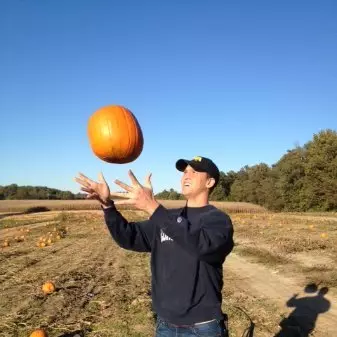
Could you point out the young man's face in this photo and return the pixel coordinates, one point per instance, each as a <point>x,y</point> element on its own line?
<point>194,182</point>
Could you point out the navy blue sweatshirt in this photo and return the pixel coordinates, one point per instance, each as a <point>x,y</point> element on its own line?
<point>188,247</point>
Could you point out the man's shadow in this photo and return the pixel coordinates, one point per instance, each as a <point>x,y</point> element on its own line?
<point>302,320</point>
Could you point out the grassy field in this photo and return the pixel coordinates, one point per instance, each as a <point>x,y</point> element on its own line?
<point>103,290</point>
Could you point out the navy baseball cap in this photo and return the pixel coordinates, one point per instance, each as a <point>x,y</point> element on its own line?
<point>200,164</point>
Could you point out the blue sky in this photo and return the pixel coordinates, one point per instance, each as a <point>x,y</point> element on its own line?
<point>240,82</point>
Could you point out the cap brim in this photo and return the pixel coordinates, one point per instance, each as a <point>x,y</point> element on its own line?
<point>181,164</point>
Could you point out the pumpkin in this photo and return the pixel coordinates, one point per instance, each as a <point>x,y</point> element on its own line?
<point>48,287</point>
<point>115,135</point>
<point>38,333</point>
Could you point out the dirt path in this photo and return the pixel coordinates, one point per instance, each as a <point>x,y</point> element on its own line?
<point>271,287</point>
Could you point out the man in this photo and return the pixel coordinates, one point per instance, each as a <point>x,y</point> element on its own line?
<point>188,247</point>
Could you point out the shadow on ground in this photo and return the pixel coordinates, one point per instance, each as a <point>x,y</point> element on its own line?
<point>301,321</point>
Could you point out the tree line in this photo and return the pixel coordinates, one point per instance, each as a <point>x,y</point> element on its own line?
<point>15,192</point>
<point>303,179</point>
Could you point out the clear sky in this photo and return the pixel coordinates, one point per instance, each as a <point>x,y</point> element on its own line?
<point>240,82</point>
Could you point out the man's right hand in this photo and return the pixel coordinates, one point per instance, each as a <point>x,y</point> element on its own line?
<point>96,190</point>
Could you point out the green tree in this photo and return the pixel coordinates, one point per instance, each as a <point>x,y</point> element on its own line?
<point>320,183</point>
<point>10,191</point>
<point>219,192</point>
<point>290,170</point>
<point>22,193</point>
<point>223,188</point>
<point>67,195</point>
<point>164,195</point>
<point>173,195</point>
<point>251,184</point>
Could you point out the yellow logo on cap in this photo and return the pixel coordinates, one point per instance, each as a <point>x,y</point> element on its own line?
<point>197,158</point>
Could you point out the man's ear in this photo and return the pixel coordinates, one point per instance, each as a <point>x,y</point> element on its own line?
<point>210,182</point>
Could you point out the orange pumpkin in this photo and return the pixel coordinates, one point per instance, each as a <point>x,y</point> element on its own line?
<point>115,135</point>
<point>38,333</point>
<point>48,287</point>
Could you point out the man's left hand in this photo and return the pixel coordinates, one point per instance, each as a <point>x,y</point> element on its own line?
<point>140,196</point>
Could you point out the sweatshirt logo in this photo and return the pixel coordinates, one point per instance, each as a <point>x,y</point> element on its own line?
<point>164,237</point>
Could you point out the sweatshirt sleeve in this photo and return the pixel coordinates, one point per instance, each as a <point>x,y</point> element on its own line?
<point>135,236</point>
<point>211,242</point>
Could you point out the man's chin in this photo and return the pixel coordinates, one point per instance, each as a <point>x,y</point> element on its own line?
<point>185,193</point>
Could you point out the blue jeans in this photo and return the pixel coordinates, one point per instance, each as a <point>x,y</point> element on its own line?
<point>215,328</point>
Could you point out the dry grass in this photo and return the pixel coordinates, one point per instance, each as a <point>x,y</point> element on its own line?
<point>104,290</point>
<point>301,247</point>
<point>94,279</point>
<point>293,244</point>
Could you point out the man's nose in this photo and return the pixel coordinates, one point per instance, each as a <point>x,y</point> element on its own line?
<point>188,175</point>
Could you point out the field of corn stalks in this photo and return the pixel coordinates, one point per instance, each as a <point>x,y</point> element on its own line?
<point>64,205</point>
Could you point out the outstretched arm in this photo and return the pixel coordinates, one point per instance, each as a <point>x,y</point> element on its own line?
<point>292,302</point>
<point>135,236</point>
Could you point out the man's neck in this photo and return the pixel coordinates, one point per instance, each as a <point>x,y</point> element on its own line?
<point>198,201</point>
